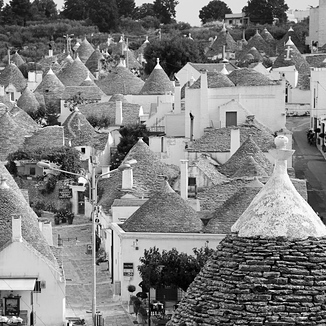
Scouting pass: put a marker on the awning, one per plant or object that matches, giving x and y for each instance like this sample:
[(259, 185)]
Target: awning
[(17, 284)]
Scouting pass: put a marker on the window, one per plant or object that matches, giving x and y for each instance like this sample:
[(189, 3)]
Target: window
[(83, 150), (32, 170), (37, 287), (230, 21), (191, 181), (286, 94), (12, 96), (231, 119)]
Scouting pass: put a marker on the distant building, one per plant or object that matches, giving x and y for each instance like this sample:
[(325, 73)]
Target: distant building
[(234, 19), (297, 16), (317, 26)]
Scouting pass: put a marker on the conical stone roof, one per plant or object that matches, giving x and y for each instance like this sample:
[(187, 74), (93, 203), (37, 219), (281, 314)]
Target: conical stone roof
[(120, 81), (269, 270), (227, 214), (12, 136), (250, 168), (240, 157), (294, 38), (291, 56), (93, 63), (252, 54), (149, 168), (78, 130), (165, 212), (267, 36), (28, 102), (12, 203), (51, 86), (23, 120), (12, 75), (85, 50), (118, 97), (74, 74), (17, 59), (158, 82), (260, 44), (223, 38)]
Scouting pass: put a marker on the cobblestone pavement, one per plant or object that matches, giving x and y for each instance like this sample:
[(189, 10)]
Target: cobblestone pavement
[(78, 270)]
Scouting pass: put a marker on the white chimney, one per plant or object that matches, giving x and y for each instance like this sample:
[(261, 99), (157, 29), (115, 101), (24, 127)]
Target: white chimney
[(127, 179), (50, 53), (118, 113), (235, 141), (177, 98), (31, 76), (2, 90), (46, 229), (16, 229), (184, 179)]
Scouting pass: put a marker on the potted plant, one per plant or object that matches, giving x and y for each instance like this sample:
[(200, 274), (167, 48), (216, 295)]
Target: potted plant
[(70, 217), (131, 289)]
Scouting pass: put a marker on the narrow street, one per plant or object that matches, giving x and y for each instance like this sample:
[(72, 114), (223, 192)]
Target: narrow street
[(309, 164)]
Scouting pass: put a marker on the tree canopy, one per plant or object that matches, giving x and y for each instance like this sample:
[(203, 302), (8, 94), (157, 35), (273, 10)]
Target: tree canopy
[(173, 53), (145, 10), (171, 268), (165, 10), (215, 10), (264, 11), (126, 7)]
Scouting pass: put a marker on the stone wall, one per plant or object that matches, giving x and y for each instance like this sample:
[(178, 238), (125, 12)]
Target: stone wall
[(254, 281)]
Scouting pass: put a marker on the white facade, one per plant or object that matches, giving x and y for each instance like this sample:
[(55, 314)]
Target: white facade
[(266, 103), (19, 260), (128, 247), (317, 25)]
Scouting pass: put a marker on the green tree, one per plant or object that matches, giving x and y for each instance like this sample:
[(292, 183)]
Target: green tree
[(165, 10), (104, 14), (145, 10), (75, 9), (21, 10), (215, 10), (126, 7), (279, 8), (7, 16), (173, 54), (129, 137), (171, 268), (44, 9)]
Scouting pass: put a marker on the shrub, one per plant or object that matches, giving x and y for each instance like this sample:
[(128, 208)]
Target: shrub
[(131, 288)]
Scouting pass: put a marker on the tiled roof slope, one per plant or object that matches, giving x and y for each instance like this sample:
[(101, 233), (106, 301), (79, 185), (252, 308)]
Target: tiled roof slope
[(93, 62), (218, 140), (214, 80), (252, 54), (131, 60), (236, 161), (118, 97), (74, 74), (249, 77), (165, 212), (227, 214), (209, 167), (85, 50), (27, 101), (12, 75), (293, 58), (11, 136), (277, 241), (120, 81), (130, 112), (157, 83), (23, 120), (317, 61), (250, 168), (93, 93), (47, 137), (148, 169), (213, 67), (12, 203)]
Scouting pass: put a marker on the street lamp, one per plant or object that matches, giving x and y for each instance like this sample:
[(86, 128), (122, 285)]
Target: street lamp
[(92, 182)]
